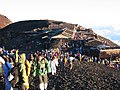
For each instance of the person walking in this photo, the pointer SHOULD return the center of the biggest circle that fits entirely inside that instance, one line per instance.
(70, 59)
(41, 69)
(6, 67)
(2, 81)
(54, 65)
(24, 71)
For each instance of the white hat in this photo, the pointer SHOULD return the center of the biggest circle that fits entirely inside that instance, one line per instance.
(2, 60)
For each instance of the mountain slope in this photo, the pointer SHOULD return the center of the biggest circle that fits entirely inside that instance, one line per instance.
(37, 34)
(4, 21)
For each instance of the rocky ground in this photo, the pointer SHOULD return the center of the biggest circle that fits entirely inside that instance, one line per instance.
(83, 76)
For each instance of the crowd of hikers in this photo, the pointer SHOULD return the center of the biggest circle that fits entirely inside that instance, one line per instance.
(17, 67)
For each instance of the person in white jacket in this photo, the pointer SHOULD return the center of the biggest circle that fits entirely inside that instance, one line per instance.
(54, 64)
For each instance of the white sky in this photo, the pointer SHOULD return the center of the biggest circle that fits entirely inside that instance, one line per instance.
(73, 11)
(83, 12)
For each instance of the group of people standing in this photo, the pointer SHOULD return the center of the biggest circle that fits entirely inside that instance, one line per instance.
(20, 67)
(39, 64)
(17, 68)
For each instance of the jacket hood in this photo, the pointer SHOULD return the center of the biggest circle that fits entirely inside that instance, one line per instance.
(22, 58)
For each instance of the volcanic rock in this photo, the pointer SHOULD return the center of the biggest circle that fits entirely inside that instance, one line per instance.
(84, 76)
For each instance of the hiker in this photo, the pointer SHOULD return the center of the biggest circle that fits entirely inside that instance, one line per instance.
(70, 59)
(24, 71)
(117, 65)
(15, 67)
(14, 72)
(31, 58)
(7, 67)
(79, 57)
(41, 69)
(61, 62)
(65, 59)
(54, 65)
(2, 81)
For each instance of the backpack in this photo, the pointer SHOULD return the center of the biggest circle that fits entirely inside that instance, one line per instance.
(2, 80)
(23, 71)
(41, 64)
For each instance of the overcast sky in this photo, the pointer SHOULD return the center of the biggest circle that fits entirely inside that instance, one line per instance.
(88, 13)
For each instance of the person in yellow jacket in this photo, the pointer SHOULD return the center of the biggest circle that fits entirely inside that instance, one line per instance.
(24, 71)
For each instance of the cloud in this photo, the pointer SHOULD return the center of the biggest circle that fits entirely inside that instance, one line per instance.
(117, 42)
(111, 32)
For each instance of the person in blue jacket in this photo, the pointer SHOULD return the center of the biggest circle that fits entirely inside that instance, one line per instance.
(7, 67)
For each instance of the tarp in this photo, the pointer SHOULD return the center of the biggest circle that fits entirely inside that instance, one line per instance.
(60, 36)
